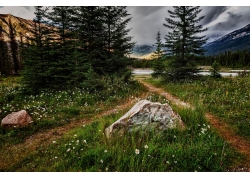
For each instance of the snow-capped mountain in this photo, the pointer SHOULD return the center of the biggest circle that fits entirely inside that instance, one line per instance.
(236, 40)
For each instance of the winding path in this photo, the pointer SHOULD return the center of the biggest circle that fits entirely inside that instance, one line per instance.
(223, 129)
(46, 137)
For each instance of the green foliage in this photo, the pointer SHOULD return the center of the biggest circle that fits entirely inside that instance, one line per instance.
(140, 63)
(89, 42)
(182, 42)
(215, 68)
(239, 58)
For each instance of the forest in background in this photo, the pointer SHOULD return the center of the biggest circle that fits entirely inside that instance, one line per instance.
(68, 46)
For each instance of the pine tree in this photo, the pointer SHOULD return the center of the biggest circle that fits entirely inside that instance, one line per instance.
(215, 68)
(63, 46)
(35, 54)
(14, 47)
(117, 41)
(5, 66)
(183, 43)
(103, 37)
(158, 57)
(88, 26)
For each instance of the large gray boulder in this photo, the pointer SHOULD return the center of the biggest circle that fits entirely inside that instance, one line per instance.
(146, 115)
(16, 120)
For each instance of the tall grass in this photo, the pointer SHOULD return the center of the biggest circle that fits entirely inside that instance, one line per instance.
(227, 98)
(55, 108)
(86, 149)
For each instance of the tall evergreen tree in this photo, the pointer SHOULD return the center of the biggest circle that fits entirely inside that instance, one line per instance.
(182, 42)
(158, 57)
(88, 25)
(36, 53)
(5, 66)
(65, 65)
(14, 47)
(104, 37)
(117, 41)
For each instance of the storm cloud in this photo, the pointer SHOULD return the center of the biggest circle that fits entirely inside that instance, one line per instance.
(220, 20)
(26, 12)
(148, 20)
(230, 23)
(211, 13)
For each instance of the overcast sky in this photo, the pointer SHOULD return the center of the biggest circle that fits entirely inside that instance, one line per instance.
(147, 20)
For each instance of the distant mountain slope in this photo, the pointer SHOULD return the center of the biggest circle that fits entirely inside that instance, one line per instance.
(233, 41)
(144, 51)
(8, 21)
(141, 50)
(21, 28)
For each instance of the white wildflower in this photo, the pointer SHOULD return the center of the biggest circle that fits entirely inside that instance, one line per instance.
(137, 151)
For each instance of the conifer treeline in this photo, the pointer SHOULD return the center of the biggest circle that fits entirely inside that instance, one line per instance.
(240, 58)
(88, 42)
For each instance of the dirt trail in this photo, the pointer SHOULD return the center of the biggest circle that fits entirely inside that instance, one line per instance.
(46, 137)
(223, 129)
(42, 139)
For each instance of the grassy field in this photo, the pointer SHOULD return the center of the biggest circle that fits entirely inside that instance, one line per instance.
(227, 98)
(51, 109)
(86, 149)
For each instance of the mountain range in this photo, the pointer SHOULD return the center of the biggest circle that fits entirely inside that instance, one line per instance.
(142, 51)
(236, 40)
